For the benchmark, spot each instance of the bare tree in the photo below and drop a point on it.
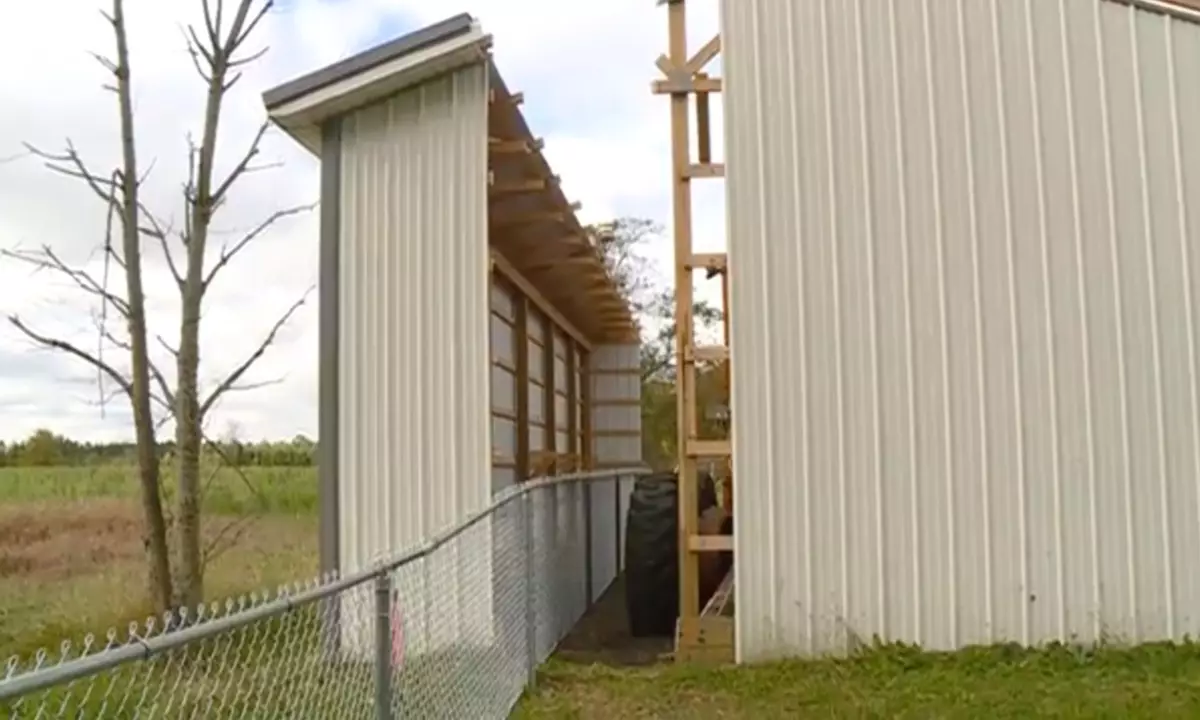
(218, 52)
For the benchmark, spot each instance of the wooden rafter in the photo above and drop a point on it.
(536, 225)
(500, 146)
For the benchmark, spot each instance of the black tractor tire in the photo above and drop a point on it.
(652, 551)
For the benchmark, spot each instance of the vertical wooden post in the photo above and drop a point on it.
(550, 395)
(521, 341)
(572, 408)
(585, 414)
(689, 578)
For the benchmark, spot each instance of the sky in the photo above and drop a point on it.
(585, 69)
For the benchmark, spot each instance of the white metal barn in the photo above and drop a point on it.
(964, 242)
(470, 336)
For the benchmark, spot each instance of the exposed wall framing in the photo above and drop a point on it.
(534, 431)
(685, 78)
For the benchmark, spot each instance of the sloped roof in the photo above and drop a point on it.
(537, 231)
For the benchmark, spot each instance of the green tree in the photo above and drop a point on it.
(624, 244)
(42, 449)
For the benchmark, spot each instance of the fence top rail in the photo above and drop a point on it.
(15, 684)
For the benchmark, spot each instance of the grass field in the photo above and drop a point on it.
(1147, 682)
(71, 560)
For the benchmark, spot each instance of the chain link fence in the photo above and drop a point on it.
(452, 629)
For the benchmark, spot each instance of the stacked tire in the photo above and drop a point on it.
(652, 551)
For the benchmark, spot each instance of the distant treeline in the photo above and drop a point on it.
(44, 448)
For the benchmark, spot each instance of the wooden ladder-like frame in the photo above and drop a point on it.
(697, 637)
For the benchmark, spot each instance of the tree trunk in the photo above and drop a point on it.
(155, 527)
(188, 420)
(188, 439)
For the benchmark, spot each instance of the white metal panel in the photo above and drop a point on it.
(614, 373)
(413, 313)
(963, 254)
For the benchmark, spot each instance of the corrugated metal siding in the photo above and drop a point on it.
(963, 243)
(614, 372)
(414, 403)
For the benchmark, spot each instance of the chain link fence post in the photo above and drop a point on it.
(530, 598)
(383, 646)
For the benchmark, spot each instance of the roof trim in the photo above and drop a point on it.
(1185, 10)
(302, 106)
(344, 69)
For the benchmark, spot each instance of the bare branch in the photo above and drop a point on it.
(72, 165)
(228, 252)
(5, 159)
(196, 51)
(241, 62)
(166, 346)
(242, 165)
(244, 387)
(46, 259)
(155, 374)
(156, 230)
(108, 237)
(228, 535)
(73, 350)
(234, 377)
(242, 29)
(108, 65)
(213, 24)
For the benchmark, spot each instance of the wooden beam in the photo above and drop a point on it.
(678, 86)
(706, 170)
(532, 218)
(512, 98)
(517, 187)
(506, 269)
(521, 340)
(711, 543)
(712, 262)
(684, 85)
(550, 395)
(703, 131)
(710, 353)
(585, 395)
(706, 448)
(572, 402)
(500, 146)
(704, 55)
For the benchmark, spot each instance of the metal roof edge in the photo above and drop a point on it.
(344, 69)
(1185, 10)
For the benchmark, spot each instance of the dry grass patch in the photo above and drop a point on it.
(67, 568)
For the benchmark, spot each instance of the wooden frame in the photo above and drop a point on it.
(684, 74)
(528, 304)
(536, 237)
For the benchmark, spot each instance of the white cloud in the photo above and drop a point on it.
(585, 69)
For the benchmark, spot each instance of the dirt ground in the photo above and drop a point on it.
(602, 636)
(55, 542)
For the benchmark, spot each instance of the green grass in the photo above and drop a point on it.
(291, 490)
(1147, 682)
